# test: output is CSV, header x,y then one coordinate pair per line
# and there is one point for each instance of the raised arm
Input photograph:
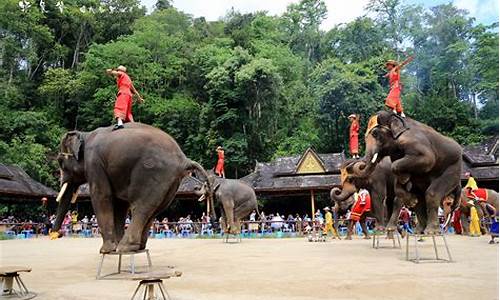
x,y
404,63
112,72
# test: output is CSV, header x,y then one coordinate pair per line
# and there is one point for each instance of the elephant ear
x,y
398,126
73,143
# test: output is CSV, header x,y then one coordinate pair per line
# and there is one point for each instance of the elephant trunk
x,y
210,192
67,193
365,168
339,195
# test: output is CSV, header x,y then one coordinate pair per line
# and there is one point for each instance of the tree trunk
x,y
76,54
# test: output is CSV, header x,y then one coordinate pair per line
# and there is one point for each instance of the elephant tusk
x,y
61,193
374,159
201,198
75,196
448,219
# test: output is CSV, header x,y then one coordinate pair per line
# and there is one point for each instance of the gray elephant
x,y
427,165
138,168
380,183
237,199
465,206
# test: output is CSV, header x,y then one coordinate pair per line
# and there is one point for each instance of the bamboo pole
x,y
313,210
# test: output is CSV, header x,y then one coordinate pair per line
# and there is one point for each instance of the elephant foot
x,y
419,229
108,247
432,229
366,237
127,247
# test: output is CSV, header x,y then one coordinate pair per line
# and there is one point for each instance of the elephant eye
x,y
375,133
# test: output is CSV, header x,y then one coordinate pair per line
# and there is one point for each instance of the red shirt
x,y
124,83
354,129
394,79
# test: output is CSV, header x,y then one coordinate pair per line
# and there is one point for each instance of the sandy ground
x,y
290,269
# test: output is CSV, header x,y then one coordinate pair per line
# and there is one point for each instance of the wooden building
x,y
16,186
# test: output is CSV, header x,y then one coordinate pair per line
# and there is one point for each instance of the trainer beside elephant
x,y
427,165
238,200
380,184
138,168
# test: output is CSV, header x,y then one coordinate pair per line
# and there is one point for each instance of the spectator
x,y
253,227
85,222
95,227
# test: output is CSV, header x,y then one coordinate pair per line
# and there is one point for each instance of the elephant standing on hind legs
x,y
138,168
237,199
380,183
426,164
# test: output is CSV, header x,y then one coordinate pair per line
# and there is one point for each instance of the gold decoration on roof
x,y
310,163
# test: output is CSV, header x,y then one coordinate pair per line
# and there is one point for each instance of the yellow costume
x,y
329,225
474,226
471,183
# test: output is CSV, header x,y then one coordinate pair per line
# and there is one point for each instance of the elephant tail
x,y
194,166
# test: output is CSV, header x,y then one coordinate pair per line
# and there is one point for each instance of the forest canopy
x,y
262,86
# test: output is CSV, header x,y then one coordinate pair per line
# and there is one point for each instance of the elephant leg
x,y
421,217
465,224
145,234
362,222
120,210
438,190
396,208
228,205
102,201
350,227
423,161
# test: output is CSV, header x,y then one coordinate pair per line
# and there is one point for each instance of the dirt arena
x,y
287,269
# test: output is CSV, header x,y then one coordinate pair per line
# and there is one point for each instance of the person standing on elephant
x,y
393,100
329,224
219,168
353,135
123,103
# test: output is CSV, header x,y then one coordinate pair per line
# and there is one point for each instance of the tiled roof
x,y
16,183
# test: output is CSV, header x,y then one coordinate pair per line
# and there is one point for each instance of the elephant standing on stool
x,y
380,183
138,168
427,165
238,200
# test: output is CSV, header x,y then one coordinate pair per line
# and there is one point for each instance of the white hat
x,y
121,68
352,116
326,208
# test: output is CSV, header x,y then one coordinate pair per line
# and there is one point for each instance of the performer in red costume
x,y
123,104
353,135
393,100
219,168
362,204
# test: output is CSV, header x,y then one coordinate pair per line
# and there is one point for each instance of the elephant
x,y
427,165
237,198
380,184
465,209
138,168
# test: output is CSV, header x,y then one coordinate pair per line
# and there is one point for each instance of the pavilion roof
x,y
14,182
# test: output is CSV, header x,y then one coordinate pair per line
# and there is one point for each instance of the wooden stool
x,y
376,239
232,238
417,258
149,281
132,262
9,275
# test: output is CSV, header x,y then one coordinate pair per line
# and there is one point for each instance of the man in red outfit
x,y
219,168
393,100
353,135
123,104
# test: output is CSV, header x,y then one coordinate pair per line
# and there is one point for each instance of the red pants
x,y
393,100
353,144
219,169
123,107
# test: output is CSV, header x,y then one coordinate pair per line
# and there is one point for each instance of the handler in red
x,y
362,204
393,100
219,168
123,104
353,135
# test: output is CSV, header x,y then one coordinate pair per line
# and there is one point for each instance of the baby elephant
x,y
237,198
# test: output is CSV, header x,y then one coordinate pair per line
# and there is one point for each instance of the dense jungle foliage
x,y
262,86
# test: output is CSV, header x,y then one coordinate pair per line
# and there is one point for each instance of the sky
x,y
339,11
